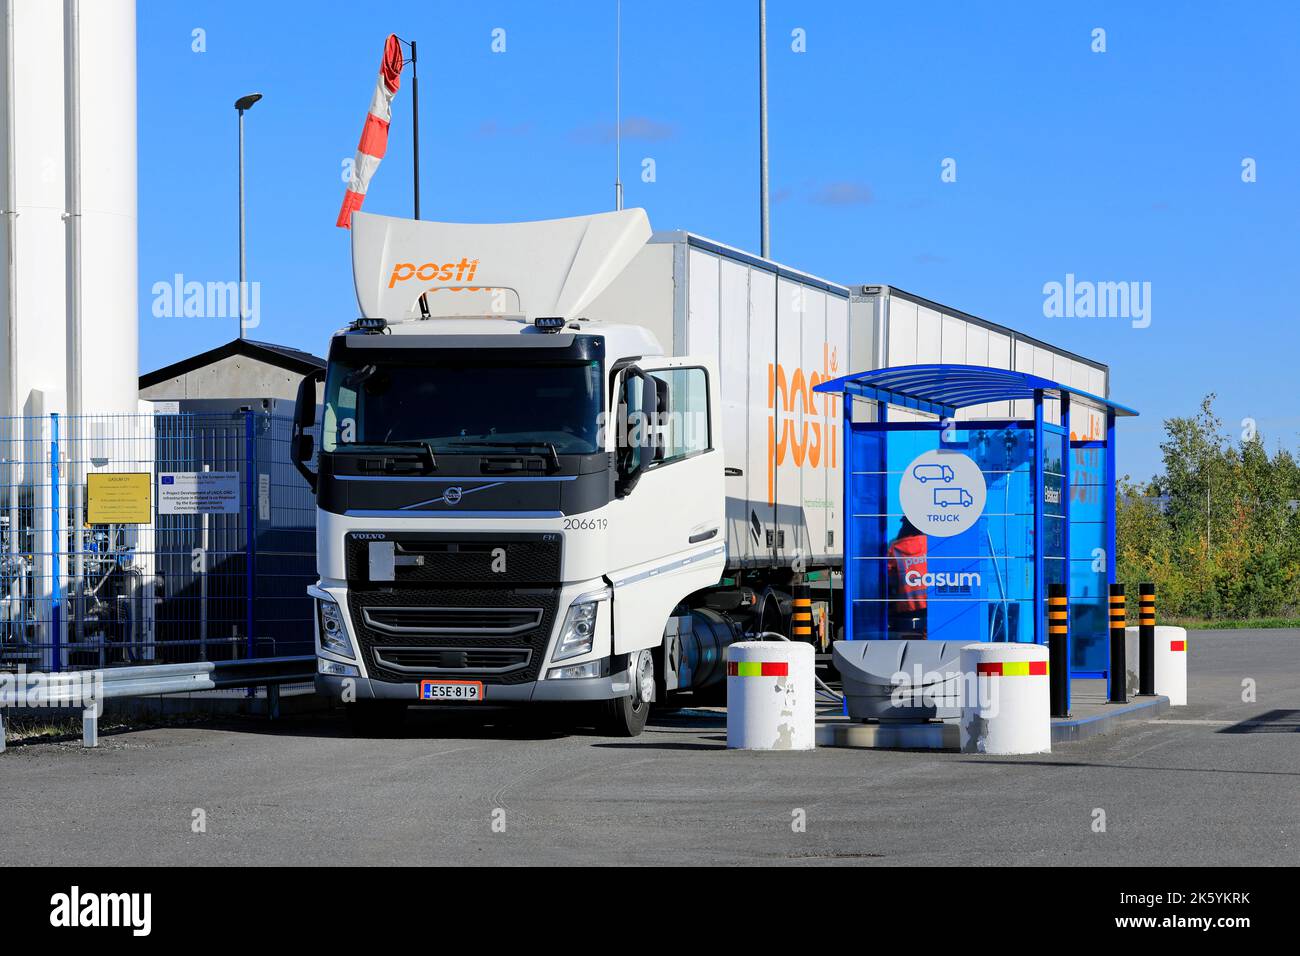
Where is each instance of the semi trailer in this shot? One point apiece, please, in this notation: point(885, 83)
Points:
point(572, 460)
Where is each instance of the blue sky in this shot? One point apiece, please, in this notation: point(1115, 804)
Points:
point(1117, 166)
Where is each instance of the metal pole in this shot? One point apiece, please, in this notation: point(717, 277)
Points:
point(58, 620)
point(765, 236)
point(250, 534)
point(11, 303)
point(243, 277)
point(618, 104)
point(205, 542)
point(415, 127)
point(72, 187)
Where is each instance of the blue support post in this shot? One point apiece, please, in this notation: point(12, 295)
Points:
point(1116, 678)
point(56, 544)
point(882, 580)
point(1067, 454)
point(1040, 618)
point(846, 509)
point(1109, 499)
point(250, 547)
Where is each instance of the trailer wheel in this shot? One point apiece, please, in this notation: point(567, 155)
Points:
point(375, 718)
point(626, 716)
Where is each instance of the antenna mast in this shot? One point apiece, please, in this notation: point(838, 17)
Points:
point(618, 97)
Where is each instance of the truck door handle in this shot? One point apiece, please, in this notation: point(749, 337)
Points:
point(702, 536)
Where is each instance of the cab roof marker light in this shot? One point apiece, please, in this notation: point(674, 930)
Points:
point(549, 323)
point(369, 324)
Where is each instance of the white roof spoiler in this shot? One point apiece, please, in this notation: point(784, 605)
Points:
point(552, 267)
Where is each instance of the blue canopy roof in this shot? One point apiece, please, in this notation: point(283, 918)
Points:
point(942, 389)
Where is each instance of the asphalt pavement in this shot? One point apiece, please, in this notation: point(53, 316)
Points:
point(1214, 783)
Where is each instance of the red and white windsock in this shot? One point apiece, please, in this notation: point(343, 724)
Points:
point(374, 136)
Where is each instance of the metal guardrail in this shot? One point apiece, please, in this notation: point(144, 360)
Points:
point(88, 689)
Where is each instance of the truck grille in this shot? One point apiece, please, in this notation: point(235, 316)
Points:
point(452, 620)
point(453, 660)
point(497, 635)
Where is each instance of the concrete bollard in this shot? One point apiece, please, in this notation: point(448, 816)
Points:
point(771, 696)
point(1170, 653)
point(1007, 703)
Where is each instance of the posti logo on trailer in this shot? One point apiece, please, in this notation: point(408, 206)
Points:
point(807, 432)
point(462, 271)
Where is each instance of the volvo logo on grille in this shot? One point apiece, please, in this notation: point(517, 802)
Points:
point(451, 496)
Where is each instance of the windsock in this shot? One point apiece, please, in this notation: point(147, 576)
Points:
point(374, 135)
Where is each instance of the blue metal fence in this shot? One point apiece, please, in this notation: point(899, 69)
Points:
point(94, 571)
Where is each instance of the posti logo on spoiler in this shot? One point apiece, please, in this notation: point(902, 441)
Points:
point(462, 271)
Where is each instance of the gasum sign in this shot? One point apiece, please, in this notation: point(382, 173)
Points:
point(942, 493)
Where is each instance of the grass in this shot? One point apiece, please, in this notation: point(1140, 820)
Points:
point(1202, 624)
point(59, 728)
point(41, 729)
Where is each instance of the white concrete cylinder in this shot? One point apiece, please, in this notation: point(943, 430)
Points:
point(771, 696)
point(1170, 662)
point(1007, 699)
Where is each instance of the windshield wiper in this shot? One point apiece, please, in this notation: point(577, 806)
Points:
point(423, 448)
point(548, 447)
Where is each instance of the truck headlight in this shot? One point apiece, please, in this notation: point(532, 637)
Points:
point(578, 634)
point(333, 634)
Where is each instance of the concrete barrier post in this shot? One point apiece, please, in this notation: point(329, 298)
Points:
point(1146, 639)
point(1116, 673)
point(1007, 701)
point(1171, 664)
point(771, 696)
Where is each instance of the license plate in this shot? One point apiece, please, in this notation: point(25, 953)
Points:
point(451, 690)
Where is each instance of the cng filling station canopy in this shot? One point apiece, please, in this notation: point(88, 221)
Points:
point(954, 528)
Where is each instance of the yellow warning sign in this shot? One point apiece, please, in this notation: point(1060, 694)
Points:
point(119, 499)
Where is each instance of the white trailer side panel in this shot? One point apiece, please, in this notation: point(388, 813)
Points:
point(921, 333)
point(760, 503)
point(738, 387)
point(774, 340)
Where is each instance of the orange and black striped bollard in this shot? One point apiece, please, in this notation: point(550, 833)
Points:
point(1058, 649)
point(1118, 672)
point(1146, 639)
point(801, 620)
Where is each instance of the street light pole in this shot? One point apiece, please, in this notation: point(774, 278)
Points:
point(243, 104)
point(765, 241)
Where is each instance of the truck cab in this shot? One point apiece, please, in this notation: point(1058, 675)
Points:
point(513, 501)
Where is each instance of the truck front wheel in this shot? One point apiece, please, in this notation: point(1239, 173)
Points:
point(626, 716)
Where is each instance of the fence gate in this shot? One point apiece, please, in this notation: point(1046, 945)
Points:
point(152, 538)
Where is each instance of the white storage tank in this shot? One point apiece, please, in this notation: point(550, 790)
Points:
point(109, 280)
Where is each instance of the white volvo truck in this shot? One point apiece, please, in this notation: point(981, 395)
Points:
point(567, 461)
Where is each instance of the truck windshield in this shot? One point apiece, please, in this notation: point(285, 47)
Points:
point(463, 406)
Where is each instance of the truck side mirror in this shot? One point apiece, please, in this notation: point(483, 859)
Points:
point(636, 438)
point(301, 446)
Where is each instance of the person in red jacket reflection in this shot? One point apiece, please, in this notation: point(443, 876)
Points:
point(906, 561)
